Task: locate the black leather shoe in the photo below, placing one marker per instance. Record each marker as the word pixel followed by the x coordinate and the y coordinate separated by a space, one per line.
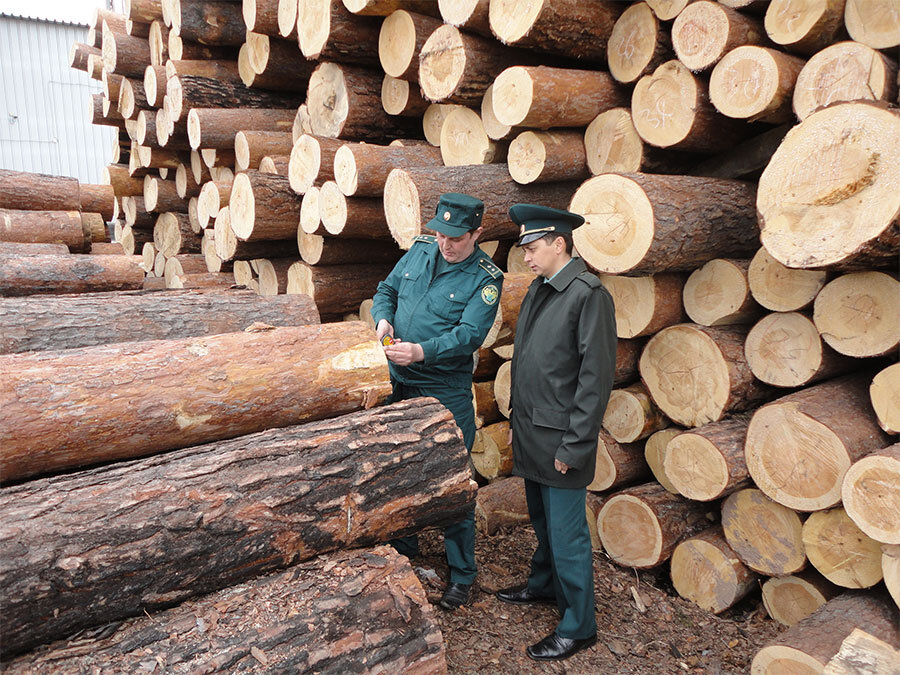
pixel 556 648
pixel 456 595
pixel 521 595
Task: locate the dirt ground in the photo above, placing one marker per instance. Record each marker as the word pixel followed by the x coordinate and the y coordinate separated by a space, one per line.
pixel 671 635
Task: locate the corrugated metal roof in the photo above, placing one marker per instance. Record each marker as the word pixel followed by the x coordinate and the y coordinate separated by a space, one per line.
pixel 78 12
pixel 30 17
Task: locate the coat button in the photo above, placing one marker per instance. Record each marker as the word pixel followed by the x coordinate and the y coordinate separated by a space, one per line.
pixel 451 295
pixel 406 275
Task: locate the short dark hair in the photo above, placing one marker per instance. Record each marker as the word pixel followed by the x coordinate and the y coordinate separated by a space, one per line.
pixel 550 237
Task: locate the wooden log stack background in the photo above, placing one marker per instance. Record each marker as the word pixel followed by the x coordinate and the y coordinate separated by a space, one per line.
pixel 737 165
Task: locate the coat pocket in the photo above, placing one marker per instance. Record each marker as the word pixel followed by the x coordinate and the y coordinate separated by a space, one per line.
pixel 449 305
pixel 552 419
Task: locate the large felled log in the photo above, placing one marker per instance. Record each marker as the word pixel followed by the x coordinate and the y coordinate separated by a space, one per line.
pixel 780 288
pixel 359 217
pixel 95 399
pixel 885 396
pixel 871 494
pixel 97 199
pixel 637 44
pixel 792 598
pixel 861 652
pixel 718 294
pixel 74 273
pixel 399 98
pixel 642 223
pixel 464 141
pixel 132 242
pixel 251 146
pixel 827 196
pixel 209 23
pixel 655 454
pixel 645 305
pixel 501 504
pixel 216 128
pixel 698 374
pixel 214 196
pixel 318 250
pixel 890 566
pixel 829 426
pixel 706 571
pixel 277 65
pixel 641 526
pixel 263 206
pixel 336 289
pixel 840 551
pixel 630 414
pixel 486 411
pixel 612 145
pixel 161 196
pixel 804 28
pixel 123 54
pixel 312 161
pixel 386 7
pixel 122 183
pixel 229 247
pixel 765 535
pixel 234 510
pixel 327 30
pixel 856 314
pixel 45 227
pixel 705 31
pixel 78 55
pixel 400 41
pixel 666 10
pixel 543 157
pixel 14 248
pixel 618 464
pixel 873 22
pixel 361 169
pixel 173 234
pixel 190 91
pixel 491 451
pixel 38 192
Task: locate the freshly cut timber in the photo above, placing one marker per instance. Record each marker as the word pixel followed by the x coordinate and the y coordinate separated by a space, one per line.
pixel 370 598
pixel 502 382
pixel 433 121
pixel 792 598
pixel 486 411
pixel 173 234
pixel 705 31
pixel 190 91
pixel 177 268
pixel 38 192
pixel 209 23
pixel 631 415
pixel 132 98
pixel 501 504
pixel 846 71
pixel 873 22
pixel 765 535
pixel 14 248
pixel 229 247
pixel 618 464
pixel 132 241
pixel 277 164
pixel 399 98
pixel 161 196
pixel 261 16
pixel 336 289
pixel 804 28
pixel 592 504
pixel 464 140
pixel 94 397
pixel 263 206
pixel 707 463
pixel 542 97
pixel 400 42
pixel 503 330
pixel 644 223
pixel 273 274
pixel 718 294
pixel 269 63
pixel 357 217
pixel 287 18
pixel 885 395
pixel 491 451
pixel 784 349
pixel 136 215
pixel 97 199
pixel 640 526
pixel 840 551
pixel 310 215
pixel 780 288
pixel 73 273
pixel 655 454
pixel 386 7
pixel 312 161
pixel 856 314
pixel 107 248
pixel 185 185
pixel 319 250
pixel 216 128
pixel 707 572
pixel 216 70
pixel 45 227
pixel 860 650
pixel 94 227
pixel 123 54
pixel 145 11
pixel 251 146
pixel 122 183
pixel 671 109
pixel 871 494
pixel 613 145
pixel 808 645
pixel 472 15
pixel 221 524
pixel 496 130
pixel 637 44
pixel 361 169
pixel 410 197
pixel 569 28
pixel 159 43
pixel 327 31
pixel 890 565
pixel 543 157
pixel 78 55
pixel 666 10
pixel 627 353
pixel 698 374
pixel 829 196
pixel 756 84
pixel 828 427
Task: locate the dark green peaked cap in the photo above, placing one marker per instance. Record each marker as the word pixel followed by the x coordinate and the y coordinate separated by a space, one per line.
pixel 456 214
pixel 535 221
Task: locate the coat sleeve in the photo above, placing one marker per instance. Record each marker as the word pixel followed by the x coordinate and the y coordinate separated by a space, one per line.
pixel 597 349
pixel 384 303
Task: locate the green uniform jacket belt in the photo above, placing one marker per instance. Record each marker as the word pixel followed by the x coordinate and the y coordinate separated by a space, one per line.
pixel 562 375
pixel 449 314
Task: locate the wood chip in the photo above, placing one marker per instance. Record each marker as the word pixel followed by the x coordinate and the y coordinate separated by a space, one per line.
pixel 639 603
pixel 259 655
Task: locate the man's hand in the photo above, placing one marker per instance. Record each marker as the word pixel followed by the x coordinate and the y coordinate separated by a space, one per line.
pixel 383 328
pixel 404 353
pixel 562 467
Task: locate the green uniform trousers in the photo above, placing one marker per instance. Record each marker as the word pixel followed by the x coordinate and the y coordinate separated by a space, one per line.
pixel 562 565
pixel 459 538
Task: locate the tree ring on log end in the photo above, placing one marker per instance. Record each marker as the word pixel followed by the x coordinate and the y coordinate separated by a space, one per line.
pixel 780 288
pixel 463 140
pixel 242 205
pixel 695 467
pixel 632 43
pixel 875 23
pixel 512 19
pixel 635 301
pixel 513 94
pixel 442 62
pixel 703 574
pixel 332 207
pixel 700 34
pixel 604 468
pixel 624 416
pixel 626 525
pixel 313 26
pixel 791 599
pixel 492 126
pixel 612 144
pixel 394 95
pixel 663 104
pixel 401 207
pixel 300 280
pixel 744 82
pixel 840 551
pixel 345 173
pixel 304 164
pixel 784 349
pixel 194 131
pixel 871 496
pixel 527 155
pixel 885 395
pixel 327 100
pixel 310 214
pixel 397 43
pixel 666 10
pixel 715 292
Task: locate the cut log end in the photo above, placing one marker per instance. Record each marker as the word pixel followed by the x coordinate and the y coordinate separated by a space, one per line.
pixel 513 92
pixel 310 214
pixel 401 207
pixel 792 598
pixel 705 571
pixel 840 551
pixel 633 43
pixel 630 531
pixel 306 160
pixel 885 396
pixel 784 349
pixel 442 62
pixel 780 288
pixel 717 294
pixel 397 43
pixel 695 467
pixel 663 104
pixel 612 144
pixel 464 141
pixel 871 494
pixel 242 206
pixel 655 454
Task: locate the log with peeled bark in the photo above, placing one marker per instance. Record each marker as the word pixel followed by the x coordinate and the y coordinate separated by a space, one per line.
pixel 400 41
pixel 263 206
pixel 874 23
pixel 707 463
pixel 225 522
pixel 486 411
pixel 500 505
pixel 644 224
pixel 38 192
pixel 655 455
pixel 251 146
pixel 631 415
pixel 209 23
pixel 336 289
pixel 784 349
pixel 828 427
pixel 792 598
pixel 804 28
pixel 328 31
pixel 399 98
pixel 410 196
pixel 645 305
pixel 503 330
pixel 72 273
pixel 718 294
pixel 828 197
pixel 637 44
pixel 173 234
pixel 45 227
pixel 491 451
pixel 123 54
pixel 885 396
pixel 94 399
pixel 617 464
pixel 190 91
pixel 846 71
pixel 312 161
pixel 361 169
pixel 370 597
pixel 216 128
pixel 707 572
pixel 861 652
pixel 15 248
pixel 780 288
pixel 319 250
pixel 640 526
pixel 764 534
pixel 856 314
pixel 871 494
pixel 464 141
pixel 567 28
pixel 840 551
pixel 756 84
pixel 543 97
pixel 706 31
pixel 357 217
pixel 698 374
pixel 543 157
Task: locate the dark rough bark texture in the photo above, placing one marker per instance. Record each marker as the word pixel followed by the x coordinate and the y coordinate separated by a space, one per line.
pixel 28 275
pixel 37 191
pixel 204 92
pixel 212 23
pixel 45 227
pixel 101 545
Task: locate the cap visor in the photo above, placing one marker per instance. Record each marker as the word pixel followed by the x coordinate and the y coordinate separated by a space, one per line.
pixel 528 238
pixel 445 229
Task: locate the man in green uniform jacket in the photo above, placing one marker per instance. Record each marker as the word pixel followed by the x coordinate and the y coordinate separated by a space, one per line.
pixel 438 304
pixel 562 375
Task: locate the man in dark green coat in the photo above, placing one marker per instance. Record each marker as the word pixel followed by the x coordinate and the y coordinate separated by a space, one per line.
pixel 562 375
pixel 438 304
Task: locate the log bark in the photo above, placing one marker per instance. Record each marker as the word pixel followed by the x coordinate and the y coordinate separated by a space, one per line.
pixel 618 464
pixel 358 217
pixel 871 494
pixel 132 98
pixel 718 294
pixel 644 224
pixel 336 289
pixel 143 10
pixel 122 183
pixel 655 454
pixel 707 572
pixel 216 128
pixel 263 206
pixel 273 274
pixel 780 288
pixel 74 273
pixel 15 248
pixel 885 395
pixel 251 146
pixel 645 305
pixel 161 196
pixel 544 157
pixel 491 451
pixel 95 399
pixel 225 523
pixel 804 28
pixel 386 7
pixel 501 505
pixel 631 415
pixel 637 44
pixel 862 653
pixel 312 161
pixel 277 65
pixel 173 234
pixel 627 354
pixel 328 31
pixel 503 330
pixel 361 169
pixel 698 374
pixel 209 23
pixel 764 534
pixel 640 526
pixel 472 15
pixel 38 192
pixel 123 54
pixel 45 227
pixel 875 24
pixel 746 159
pixel 318 250
pixel 840 551
pixel 190 91
pixel 464 141
pixel 94 227
pixel 277 164
pixel 78 55
pixel 791 599
pixel 229 247
pixel 261 16
pixel 199 280
pixel 399 98
pixel 400 42
pixel 829 426
pixel 705 31
pixel 136 214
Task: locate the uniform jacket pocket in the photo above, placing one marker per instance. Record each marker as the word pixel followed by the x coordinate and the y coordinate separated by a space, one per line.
pixel 553 419
pixel 449 305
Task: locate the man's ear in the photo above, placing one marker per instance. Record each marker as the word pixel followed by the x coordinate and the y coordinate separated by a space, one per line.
pixel 477 233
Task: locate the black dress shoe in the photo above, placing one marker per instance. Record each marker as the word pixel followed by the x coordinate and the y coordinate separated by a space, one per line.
pixel 522 595
pixel 556 648
pixel 456 595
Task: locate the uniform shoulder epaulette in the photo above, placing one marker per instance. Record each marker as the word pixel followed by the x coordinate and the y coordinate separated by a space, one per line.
pixel 425 238
pixel 488 266
pixel 590 279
